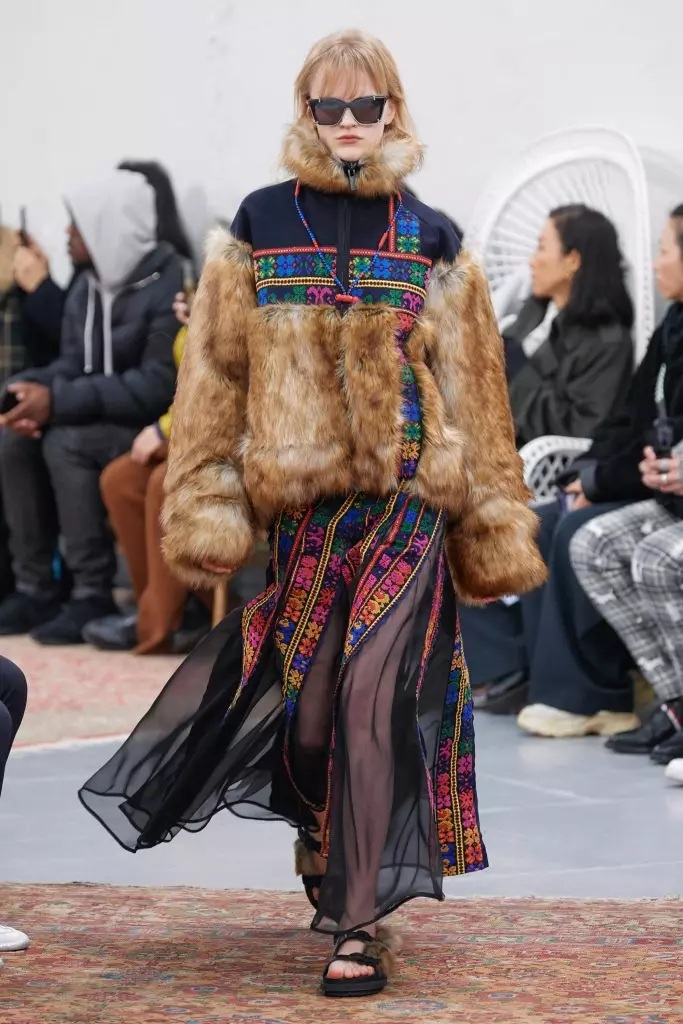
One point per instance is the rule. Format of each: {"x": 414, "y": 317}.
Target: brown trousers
{"x": 133, "y": 495}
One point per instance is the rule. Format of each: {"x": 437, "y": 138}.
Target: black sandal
{"x": 378, "y": 953}
{"x": 304, "y": 846}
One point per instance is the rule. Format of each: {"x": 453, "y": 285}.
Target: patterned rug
{"x": 78, "y": 693}
{"x": 183, "y": 956}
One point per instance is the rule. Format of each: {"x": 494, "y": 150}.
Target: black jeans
{"x": 575, "y": 661}
{"x": 12, "y": 707}
{"x": 6, "y": 574}
{"x": 51, "y": 487}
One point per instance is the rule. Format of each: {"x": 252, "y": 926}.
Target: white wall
{"x": 205, "y": 86}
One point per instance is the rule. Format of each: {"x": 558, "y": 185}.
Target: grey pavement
{"x": 560, "y": 818}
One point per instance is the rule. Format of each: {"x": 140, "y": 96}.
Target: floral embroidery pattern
{"x": 377, "y": 545}
{"x": 462, "y": 848}
{"x": 300, "y": 276}
{"x": 389, "y": 574}
{"x": 407, "y": 232}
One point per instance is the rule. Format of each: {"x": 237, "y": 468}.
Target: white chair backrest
{"x": 545, "y": 458}
{"x": 596, "y": 166}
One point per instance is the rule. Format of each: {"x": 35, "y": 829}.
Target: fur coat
{"x": 285, "y": 395}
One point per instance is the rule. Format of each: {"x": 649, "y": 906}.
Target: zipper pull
{"x": 351, "y": 169}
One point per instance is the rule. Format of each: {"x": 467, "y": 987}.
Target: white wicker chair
{"x": 595, "y": 166}
{"x": 545, "y": 457}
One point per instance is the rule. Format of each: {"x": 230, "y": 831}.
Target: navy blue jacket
{"x": 349, "y": 229}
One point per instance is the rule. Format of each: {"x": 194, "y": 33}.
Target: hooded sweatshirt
{"x": 116, "y": 353}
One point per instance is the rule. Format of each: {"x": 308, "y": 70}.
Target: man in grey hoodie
{"x": 115, "y": 374}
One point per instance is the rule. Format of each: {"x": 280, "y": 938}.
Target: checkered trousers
{"x": 630, "y": 563}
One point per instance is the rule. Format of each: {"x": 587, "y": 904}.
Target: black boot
{"x": 112, "y": 633}
{"x": 656, "y": 730}
{"x": 20, "y": 613}
{"x": 68, "y": 626}
{"x": 669, "y": 750}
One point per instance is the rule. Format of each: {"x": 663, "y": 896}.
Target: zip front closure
{"x": 344, "y": 247}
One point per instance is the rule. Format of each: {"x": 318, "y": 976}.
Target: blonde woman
{"x": 342, "y": 387}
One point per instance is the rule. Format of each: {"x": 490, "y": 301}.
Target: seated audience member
{"x": 115, "y": 374}
{"x": 12, "y": 707}
{"x": 630, "y": 563}
{"x": 41, "y": 300}
{"x": 569, "y": 354}
{"x": 168, "y": 617}
{"x": 23, "y": 343}
{"x": 552, "y": 650}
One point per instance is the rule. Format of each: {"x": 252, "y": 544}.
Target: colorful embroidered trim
{"x": 348, "y": 294}
{"x": 462, "y": 848}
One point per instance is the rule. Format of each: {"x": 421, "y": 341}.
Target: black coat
{"x": 42, "y": 312}
{"x": 575, "y": 379}
{"x": 609, "y": 471}
{"x": 142, "y": 384}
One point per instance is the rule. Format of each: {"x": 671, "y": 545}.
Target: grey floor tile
{"x": 561, "y": 818}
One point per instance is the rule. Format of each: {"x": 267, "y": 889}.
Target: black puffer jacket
{"x": 574, "y": 380}
{"x": 116, "y": 354}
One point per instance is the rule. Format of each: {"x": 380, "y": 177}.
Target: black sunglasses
{"x": 329, "y": 111}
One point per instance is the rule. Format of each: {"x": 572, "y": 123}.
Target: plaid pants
{"x": 630, "y": 563}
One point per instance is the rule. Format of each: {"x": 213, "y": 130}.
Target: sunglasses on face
{"x": 329, "y": 111}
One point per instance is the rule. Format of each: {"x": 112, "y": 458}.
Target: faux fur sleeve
{"x": 491, "y": 547}
{"x": 207, "y": 516}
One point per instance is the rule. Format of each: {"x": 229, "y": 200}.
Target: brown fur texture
{"x": 305, "y": 156}
{"x": 281, "y": 405}
{"x": 386, "y": 947}
{"x": 324, "y": 407}
{"x": 207, "y": 516}
{"x": 304, "y": 860}
{"x": 491, "y": 548}
{"x": 371, "y": 376}
{"x": 297, "y": 445}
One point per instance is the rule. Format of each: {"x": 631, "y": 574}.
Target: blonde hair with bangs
{"x": 354, "y": 53}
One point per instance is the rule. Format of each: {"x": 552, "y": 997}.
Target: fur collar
{"x": 382, "y": 174}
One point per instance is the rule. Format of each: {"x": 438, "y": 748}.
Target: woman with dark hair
{"x": 569, "y": 355}
{"x": 169, "y": 224}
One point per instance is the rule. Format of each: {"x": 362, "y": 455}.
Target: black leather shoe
{"x": 506, "y": 695}
{"x": 112, "y": 633}
{"x": 643, "y": 740}
{"x": 669, "y": 750}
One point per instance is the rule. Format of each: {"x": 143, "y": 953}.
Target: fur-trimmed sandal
{"x": 304, "y": 863}
{"x": 378, "y": 953}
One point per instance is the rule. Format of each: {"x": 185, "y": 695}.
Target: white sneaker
{"x": 11, "y": 940}
{"x": 542, "y": 720}
{"x": 674, "y": 770}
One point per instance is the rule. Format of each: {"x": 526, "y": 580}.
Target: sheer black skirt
{"x": 342, "y": 692}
